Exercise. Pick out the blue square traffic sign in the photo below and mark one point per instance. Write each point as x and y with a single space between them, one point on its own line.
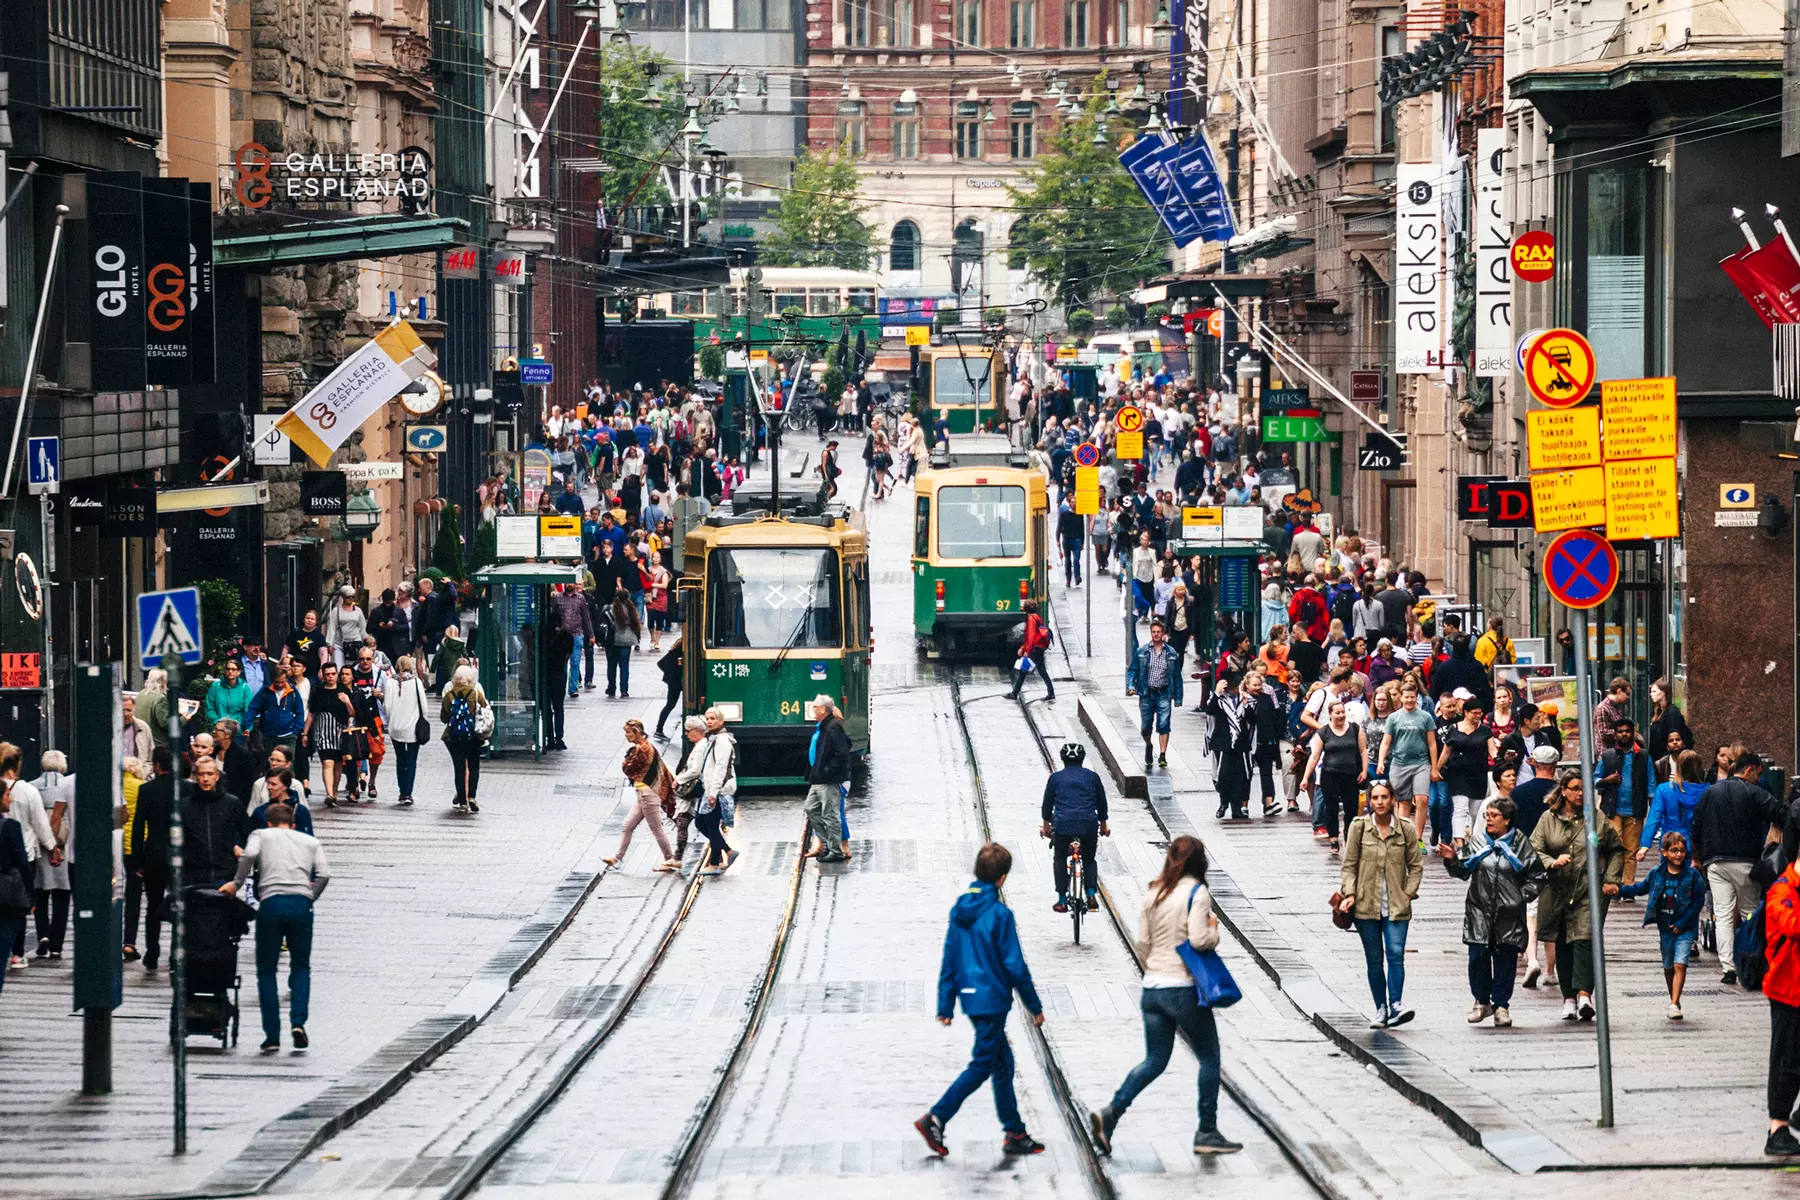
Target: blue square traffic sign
169 623
43 464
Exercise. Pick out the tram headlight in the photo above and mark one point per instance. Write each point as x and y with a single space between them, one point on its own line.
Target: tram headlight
730 710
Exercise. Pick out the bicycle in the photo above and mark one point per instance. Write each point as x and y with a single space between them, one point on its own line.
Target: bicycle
1077 877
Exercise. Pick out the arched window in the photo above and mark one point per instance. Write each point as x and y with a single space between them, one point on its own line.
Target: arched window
903 251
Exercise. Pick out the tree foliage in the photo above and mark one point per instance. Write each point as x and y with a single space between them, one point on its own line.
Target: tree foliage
447 552
633 135
1087 231
819 220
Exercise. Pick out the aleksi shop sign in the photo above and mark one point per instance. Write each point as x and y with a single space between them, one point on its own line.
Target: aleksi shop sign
1418 271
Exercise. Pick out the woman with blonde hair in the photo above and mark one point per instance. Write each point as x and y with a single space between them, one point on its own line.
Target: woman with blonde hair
460 711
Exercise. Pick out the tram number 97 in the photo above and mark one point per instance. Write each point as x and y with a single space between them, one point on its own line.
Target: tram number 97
1002 605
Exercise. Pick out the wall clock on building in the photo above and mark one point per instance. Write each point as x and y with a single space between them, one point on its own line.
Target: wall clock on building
424 395
31 589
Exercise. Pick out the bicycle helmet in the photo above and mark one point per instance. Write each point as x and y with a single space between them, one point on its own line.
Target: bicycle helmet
1074 753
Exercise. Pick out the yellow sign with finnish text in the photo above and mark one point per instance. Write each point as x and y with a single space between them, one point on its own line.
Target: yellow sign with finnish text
1067 354
1568 499
1640 418
1087 491
1561 439
1211 515
1642 500
1129 445
918 335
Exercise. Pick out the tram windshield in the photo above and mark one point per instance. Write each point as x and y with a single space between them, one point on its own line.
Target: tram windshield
981 522
962 380
770 597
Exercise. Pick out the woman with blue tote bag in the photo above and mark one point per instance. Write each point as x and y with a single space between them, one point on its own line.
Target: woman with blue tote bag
1184 980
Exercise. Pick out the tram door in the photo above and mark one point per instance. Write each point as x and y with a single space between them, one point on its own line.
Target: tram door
856 650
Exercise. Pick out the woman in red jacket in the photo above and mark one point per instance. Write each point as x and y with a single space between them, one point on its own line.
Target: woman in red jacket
1031 652
1781 927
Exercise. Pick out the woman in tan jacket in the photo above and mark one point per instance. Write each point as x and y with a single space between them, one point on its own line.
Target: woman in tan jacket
1383 867
1177 907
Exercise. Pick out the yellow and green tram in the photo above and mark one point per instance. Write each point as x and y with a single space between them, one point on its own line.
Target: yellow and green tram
776 612
981 545
965 386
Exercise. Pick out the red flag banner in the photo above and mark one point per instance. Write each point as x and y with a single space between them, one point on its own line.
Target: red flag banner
1769 278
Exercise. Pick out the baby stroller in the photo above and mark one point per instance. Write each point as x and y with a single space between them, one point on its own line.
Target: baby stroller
215 924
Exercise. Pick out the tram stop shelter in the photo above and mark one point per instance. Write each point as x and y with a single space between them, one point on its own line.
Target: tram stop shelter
1227 542
509 637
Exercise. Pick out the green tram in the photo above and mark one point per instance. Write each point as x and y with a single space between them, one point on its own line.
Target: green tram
965 386
981 545
776 612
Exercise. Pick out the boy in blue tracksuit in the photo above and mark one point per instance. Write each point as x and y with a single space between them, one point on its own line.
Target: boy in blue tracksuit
983 964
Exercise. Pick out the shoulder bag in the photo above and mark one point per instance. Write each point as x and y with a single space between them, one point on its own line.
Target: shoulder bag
1213 985
421 730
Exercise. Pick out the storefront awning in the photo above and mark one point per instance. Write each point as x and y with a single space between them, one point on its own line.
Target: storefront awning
339 241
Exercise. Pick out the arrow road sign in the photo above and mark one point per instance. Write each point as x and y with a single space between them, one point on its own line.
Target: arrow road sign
169 623
1580 568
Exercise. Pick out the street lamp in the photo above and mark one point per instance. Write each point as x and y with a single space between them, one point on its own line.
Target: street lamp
362 515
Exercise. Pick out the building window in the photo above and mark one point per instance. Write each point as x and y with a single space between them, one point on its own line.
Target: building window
1024 129
1021 24
903 250
822 302
1075 23
968 22
659 15
861 299
762 14
902 27
107 56
850 127
1392 46
1613 275
906 130
856 23
968 129
1119 34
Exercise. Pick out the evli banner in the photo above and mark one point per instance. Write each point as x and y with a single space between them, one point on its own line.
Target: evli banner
1181 182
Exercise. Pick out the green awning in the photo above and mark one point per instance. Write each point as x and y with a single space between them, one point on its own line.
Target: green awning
529 572
340 241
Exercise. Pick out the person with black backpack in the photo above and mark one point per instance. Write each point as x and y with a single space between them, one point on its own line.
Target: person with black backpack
1731 826
461 713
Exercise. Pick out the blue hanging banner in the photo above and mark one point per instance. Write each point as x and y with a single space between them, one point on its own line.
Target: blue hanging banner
1197 175
1148 162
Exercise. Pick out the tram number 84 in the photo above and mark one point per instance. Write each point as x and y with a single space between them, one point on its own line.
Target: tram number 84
796 708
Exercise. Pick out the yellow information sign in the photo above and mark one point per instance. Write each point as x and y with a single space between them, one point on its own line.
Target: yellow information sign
1087 491
1640 418
1641 500
1560 439
1568 499
918 335
1129 445
1067 354
759 356
1212 515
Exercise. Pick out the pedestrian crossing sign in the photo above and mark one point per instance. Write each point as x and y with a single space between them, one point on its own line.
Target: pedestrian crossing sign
169 623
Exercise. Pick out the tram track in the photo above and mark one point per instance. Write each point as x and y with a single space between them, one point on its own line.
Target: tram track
1073 1114
1299 1155
692 1144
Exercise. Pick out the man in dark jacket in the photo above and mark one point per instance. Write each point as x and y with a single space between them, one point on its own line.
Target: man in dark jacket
1731 825
1461 670
1071 532
214 828
236 762
1395 602
828 767
1075 811
1623 778
982 965
434 612
578 623
150 855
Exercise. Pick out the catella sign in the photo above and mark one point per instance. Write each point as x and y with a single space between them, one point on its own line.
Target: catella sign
300 178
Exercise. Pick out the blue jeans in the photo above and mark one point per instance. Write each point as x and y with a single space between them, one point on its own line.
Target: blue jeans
1491 970
575 657
992 1058
406 765
289 917
1072 562
844 810
1166 1010
618 669
1379 934
1439 805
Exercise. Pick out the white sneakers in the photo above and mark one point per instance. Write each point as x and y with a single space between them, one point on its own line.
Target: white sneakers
1568 1012
1674 1012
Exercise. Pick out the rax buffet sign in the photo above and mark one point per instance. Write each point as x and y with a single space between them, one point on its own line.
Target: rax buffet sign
332 180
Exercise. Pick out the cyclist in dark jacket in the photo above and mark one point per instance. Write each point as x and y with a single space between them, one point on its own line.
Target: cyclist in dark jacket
1075 811
982 966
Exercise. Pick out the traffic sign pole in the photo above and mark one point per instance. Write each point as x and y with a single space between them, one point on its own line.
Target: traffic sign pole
1584 706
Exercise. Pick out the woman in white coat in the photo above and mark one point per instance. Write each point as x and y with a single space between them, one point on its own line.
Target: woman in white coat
711 775
403 697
